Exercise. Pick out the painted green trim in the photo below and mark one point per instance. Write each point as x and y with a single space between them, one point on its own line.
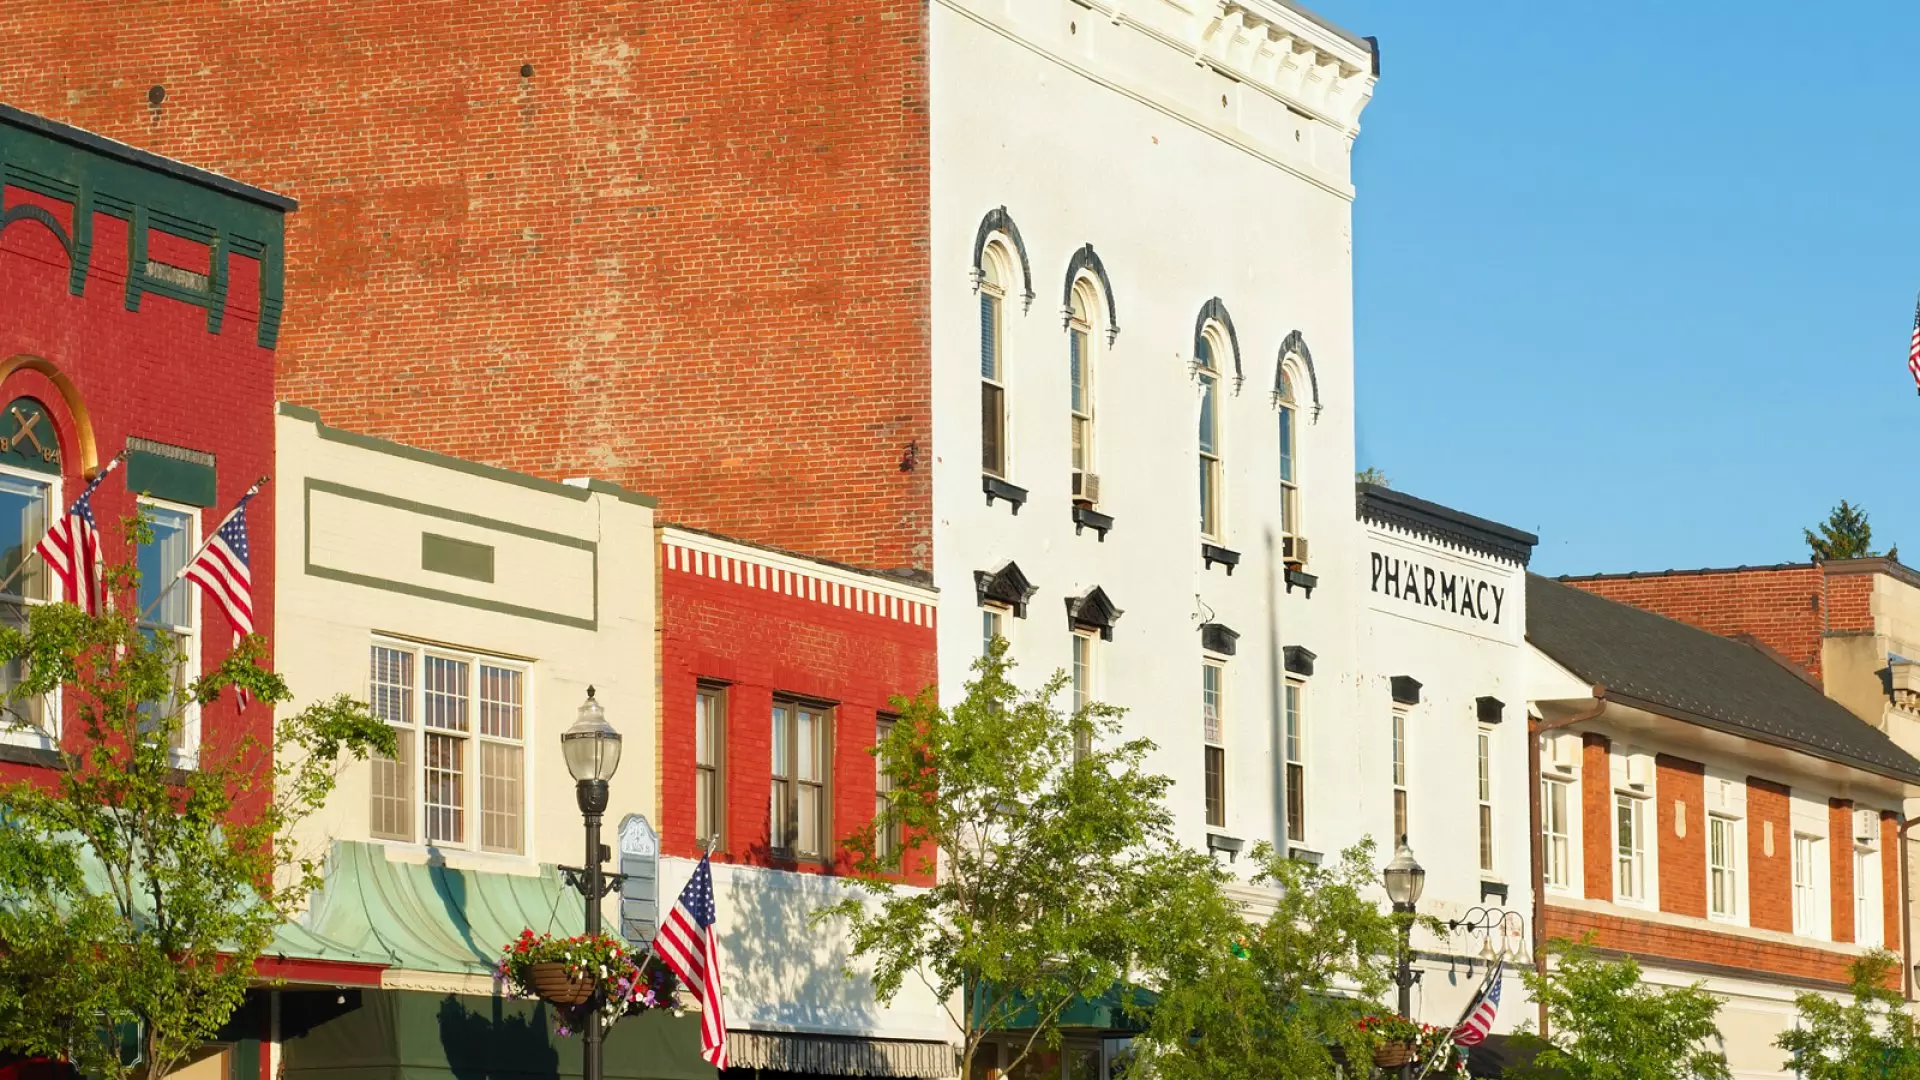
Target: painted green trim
96 175
424 592
460 558
170 478
471 468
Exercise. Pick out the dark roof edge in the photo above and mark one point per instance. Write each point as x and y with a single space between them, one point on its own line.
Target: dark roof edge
1838 757
1873 564
1876 564
1390 507
100 144
1332 27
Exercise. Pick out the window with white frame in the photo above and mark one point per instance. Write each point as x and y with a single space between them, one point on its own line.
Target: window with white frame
1399 770
1289 454
1867 928
993 624
460 727
1207 370
1212 701
886 831
168 606
994 274
1556 836
1723 866
802 754
1082 681
1080 389
26 505
709 749
1294 720
1806 883
1630 847
1484 792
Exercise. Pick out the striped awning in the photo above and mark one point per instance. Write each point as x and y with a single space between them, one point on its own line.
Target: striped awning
839 1055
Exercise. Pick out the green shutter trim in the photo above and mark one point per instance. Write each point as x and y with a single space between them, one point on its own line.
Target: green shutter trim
174 479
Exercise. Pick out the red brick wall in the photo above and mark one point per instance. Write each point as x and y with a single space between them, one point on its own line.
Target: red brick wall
1840 859
1770 875
762 642
1683 859
1891 894
1596 816
1648 940
1777 605
155 373
689 209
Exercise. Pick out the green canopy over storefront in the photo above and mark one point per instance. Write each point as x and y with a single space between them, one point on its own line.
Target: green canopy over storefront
1120 1010
416 1035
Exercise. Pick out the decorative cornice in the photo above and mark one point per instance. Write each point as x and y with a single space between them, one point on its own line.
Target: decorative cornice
701 555
1296 345
1215 311
1385 506
1093 611
1007 585
1086 260
1219 638
999 221
1279 50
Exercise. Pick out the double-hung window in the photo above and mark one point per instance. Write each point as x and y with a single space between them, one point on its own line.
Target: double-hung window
886 830
802 748
1080 392
1208 372
993 624
1556 839
1289 475
168 607
1483 760
1723 867
1399 760
1295 737
1806 883
993 381
1082 683
1630 844
26 505
460 726
1212 678
709 747
1866 895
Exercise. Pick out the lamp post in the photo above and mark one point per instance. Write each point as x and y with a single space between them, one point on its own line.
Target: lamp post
1405 880
591 748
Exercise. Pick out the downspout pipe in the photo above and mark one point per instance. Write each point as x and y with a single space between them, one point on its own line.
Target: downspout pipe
1536 729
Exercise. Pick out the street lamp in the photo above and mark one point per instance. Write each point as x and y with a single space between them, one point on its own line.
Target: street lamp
1405 880
591 748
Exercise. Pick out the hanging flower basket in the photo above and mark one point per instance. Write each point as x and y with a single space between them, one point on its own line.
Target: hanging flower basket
1392 1055
555 983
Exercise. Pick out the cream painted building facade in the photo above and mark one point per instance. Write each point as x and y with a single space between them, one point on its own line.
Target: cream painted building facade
472 607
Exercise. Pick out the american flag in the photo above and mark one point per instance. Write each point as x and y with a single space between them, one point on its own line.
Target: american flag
1913 348
690 947
1479 1020
72 549
221 569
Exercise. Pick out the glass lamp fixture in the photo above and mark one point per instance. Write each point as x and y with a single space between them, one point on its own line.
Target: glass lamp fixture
1405 878
591 746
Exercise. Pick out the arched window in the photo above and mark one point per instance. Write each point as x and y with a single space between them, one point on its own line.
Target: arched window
1207 348
1080 379
995 274
1285 403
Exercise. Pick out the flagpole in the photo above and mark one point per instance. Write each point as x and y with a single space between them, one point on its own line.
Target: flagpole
205 543
111 465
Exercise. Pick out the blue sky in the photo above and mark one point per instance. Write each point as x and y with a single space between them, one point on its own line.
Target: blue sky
1639 276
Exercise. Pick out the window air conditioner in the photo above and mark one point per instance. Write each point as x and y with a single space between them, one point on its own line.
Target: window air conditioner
1293 549
1086 487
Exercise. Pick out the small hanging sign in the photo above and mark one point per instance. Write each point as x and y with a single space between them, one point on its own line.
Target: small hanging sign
640 882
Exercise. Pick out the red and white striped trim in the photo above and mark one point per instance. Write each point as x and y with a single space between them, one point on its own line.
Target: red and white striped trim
788 575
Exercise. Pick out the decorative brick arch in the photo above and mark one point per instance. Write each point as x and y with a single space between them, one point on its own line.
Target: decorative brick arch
999 221
1215 311
69 396
1296 345
1087 261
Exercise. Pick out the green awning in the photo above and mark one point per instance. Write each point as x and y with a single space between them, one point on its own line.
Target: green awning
415 1035
1108 1012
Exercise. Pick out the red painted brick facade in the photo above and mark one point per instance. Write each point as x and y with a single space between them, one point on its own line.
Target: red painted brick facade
682 211
1840 859
1647 940
155 373
1770 873
1680 796
1596 816
743 627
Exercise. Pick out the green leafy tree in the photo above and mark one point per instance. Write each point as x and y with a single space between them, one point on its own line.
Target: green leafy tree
1252 1001
1870 1038
1059 877
1607 1024
1844 535
1372 475
137 889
